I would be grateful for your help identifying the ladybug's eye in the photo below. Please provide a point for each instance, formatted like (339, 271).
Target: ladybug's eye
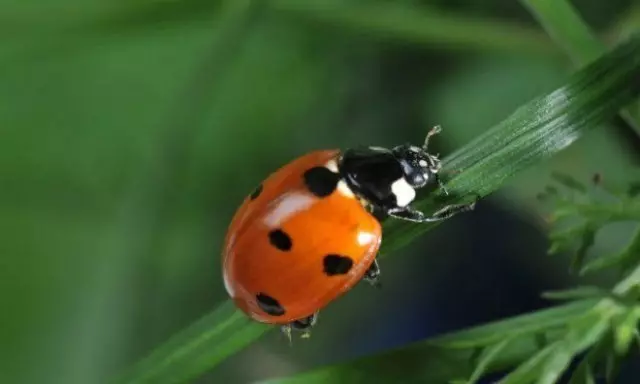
(417, 179)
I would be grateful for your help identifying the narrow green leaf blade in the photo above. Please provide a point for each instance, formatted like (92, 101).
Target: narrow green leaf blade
(529, 371)
(486, 358)
(582, 334)
(560, 19)
(529, 324)
(583, 375)
(576, 293)
(197, 348)
(625, 330)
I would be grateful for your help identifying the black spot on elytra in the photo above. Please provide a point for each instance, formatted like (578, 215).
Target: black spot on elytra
(279, 239)
(337, 265)
(270, 305)
(256, 192)
(321, 181)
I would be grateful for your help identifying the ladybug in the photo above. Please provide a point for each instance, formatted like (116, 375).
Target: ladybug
(307, 234)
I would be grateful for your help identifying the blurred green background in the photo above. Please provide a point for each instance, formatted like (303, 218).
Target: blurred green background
(131, 130)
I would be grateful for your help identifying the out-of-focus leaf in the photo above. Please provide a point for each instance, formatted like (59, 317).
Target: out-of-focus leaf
(389, 20)
(626, 330)
(487, 356)
(583, 375)
(624, 259)
(569, 181)
(581, 334)
(529, 371)
(567, 28)
(530, 325)
(576, 293)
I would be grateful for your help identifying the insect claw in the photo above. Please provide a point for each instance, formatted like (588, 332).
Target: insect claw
(286, 329)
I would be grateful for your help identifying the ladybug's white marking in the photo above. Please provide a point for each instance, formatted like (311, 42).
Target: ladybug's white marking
(287, 206)
(403, 191)
(415, 149)
(365, 238)
(423, 163)
(332, 165)
(344, 189)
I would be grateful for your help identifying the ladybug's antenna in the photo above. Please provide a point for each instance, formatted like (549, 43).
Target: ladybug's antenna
(432, 132)
(434, 158)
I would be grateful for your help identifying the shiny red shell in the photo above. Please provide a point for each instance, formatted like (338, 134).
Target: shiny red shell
(295, 280)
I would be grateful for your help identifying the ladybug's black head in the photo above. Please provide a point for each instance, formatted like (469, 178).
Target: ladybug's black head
(418, 165)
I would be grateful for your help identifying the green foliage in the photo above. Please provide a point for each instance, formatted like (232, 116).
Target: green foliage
(420, 25)
(587, 213)
(531, 134)
(604, 323)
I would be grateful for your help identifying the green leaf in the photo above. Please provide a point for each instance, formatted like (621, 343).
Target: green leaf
(612, 368)
(529, 325)
(584, 371)
(529, 371)
(562, 240)
(422, 25)
(583, 374)
(586, 241)
(625, 259)
(603, 262)
(533, 133)
(582, 334)
(486, 358)
(569, 233)
(569, 181)
(197, 348)
(562, 22)
(625, 330)
(566, 27)
(577, 293)
(629, 284)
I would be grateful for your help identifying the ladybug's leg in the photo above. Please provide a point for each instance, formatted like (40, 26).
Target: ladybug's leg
(372, 276)
(411, 214)
(304, 325)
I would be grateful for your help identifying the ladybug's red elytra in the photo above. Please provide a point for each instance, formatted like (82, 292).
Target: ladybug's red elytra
(307, 235)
